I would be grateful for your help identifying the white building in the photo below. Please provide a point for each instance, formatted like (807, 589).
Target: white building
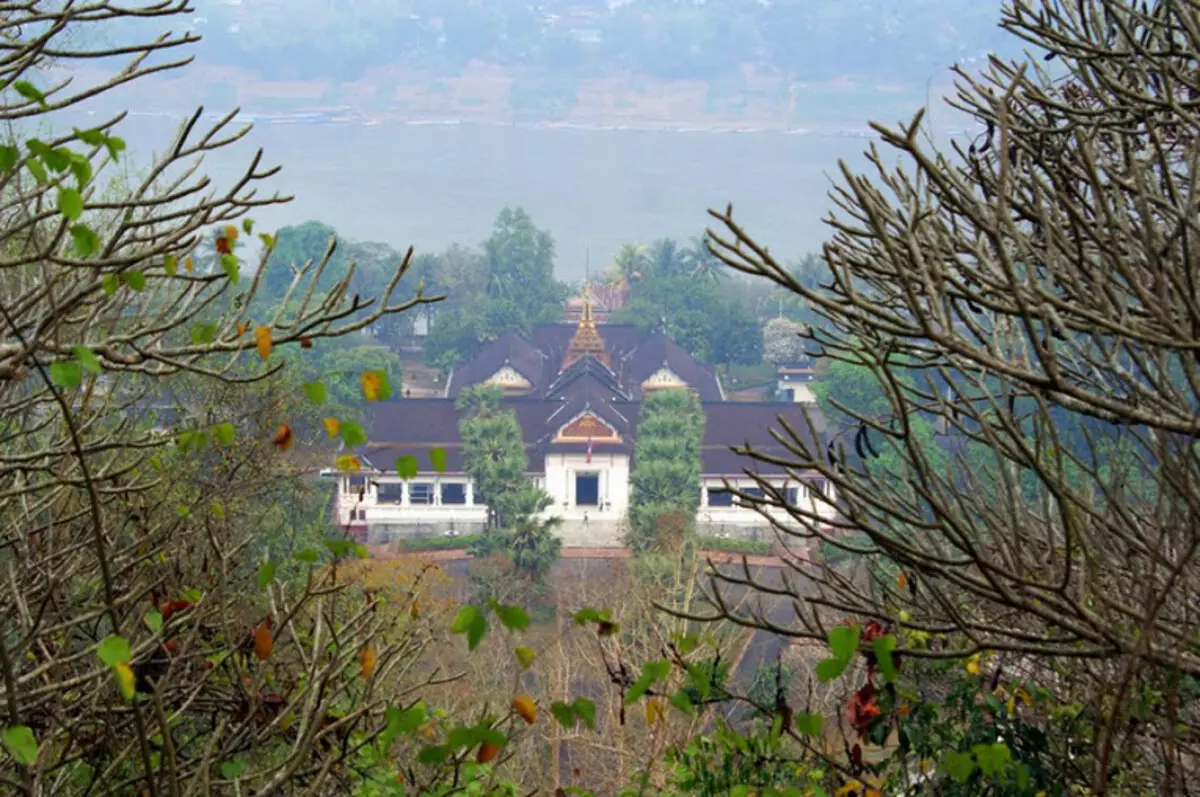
(576, 391)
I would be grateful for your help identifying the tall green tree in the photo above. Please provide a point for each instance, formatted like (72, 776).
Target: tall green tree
(664, 488)
(493, 448)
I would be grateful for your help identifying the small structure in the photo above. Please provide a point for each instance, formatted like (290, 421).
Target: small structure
(792, 382)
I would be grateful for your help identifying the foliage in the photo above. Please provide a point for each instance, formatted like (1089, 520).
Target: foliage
(664, 488)
(493, 449)
(696, 313)
(508, 286)
(1007, 535)
(734, 545)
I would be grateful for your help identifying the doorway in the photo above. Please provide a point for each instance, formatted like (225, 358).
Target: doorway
(587, 489)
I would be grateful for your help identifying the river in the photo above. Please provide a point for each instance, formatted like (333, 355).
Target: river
(431, 185)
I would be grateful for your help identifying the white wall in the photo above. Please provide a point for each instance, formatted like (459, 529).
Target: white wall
(801, 392)
(613, 470)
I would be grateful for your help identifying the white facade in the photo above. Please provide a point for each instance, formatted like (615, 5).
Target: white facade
(592, 498)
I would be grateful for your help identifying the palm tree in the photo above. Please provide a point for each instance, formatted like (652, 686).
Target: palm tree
(532, 542)
(703, 263)
(628, 265)
(667, 259)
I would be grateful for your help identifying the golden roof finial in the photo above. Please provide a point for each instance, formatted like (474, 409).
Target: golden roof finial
(587, 340)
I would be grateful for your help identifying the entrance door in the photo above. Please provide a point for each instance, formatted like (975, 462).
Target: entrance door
(587, 489)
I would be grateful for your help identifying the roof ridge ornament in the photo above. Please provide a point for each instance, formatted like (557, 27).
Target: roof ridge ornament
(587, 341)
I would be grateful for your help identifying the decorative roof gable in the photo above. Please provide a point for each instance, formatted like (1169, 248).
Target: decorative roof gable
(585, 428)
(509, 379)
(662, 379)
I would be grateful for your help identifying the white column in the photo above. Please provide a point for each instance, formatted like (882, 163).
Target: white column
(703, 495)
(404, 494)
(437, 492)
(470, 492)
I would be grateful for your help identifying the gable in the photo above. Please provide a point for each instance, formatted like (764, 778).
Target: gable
(508, 378)
(587, 427)
(662, 379)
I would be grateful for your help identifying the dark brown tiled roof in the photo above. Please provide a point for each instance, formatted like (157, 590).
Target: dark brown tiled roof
(415, 426)
(659, 351)
(508, 349)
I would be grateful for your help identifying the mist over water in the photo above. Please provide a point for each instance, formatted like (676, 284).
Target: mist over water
(436, 184)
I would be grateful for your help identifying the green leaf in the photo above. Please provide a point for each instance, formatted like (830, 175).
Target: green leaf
(229, 265)
(564, 713)
(134, 279)
(70, 203)
(231, 770)
(315, 392)
(8, 157)
(401, 722)
(514, 618)
(109, 283)
(407, 466)
(831, 668)
(437, 459)
(359, 550)
(266, 574)
(66, 373)
(698, 677)
(589, 615)
(883, 647)
(958, 765)
(153, 621)
(352, 434)
(248, 226)
(114, 146)
(991, 757)
(476, 632)
(339, 548)
(58, 159)
(81, 167)
(38, 171)
(93, 138)
(308, 555)
(224, 433)
(87, 358)
(681, 701)
(268, 240)
(30, 92)
(86, 242)
(462, 620)
(171, 264)
(114, 649)
(192, 595)
(203, 334)
(809, 724)
(843, 641)
(652, 672)
(20, 743)
(433, 755)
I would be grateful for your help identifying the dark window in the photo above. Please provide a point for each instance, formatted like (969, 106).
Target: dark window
(420, 493)
(355, 483)
(720, 497)
(793, 496)
(587, 489)
(454, 493)
(390, 492)
(816, 485)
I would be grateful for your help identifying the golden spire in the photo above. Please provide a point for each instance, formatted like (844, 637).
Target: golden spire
(587, 341)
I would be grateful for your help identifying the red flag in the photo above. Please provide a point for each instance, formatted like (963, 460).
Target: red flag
(589, 451)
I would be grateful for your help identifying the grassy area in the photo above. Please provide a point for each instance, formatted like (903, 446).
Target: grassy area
(439, 543)
(725, 545)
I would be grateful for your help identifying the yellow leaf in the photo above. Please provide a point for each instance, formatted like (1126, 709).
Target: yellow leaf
(371, 385)
(486, 753)
(262, 339)
(901, 581)
(973, 665)
(848, 789)
(189, 265)
(348, 463)
(283, 437)
(654, 711)
(231, 232)
(124, 675)
(368, 660)
(428, 731)
(331, 426)
(241, 329)
(525, 709)
(414, 611)
(264, 643)
(525, 656)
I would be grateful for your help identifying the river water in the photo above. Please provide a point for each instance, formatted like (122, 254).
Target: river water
(431, 185)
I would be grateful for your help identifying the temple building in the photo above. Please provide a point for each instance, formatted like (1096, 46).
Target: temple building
(576, 389)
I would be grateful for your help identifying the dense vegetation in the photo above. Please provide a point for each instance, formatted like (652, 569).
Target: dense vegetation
(1013, 612)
